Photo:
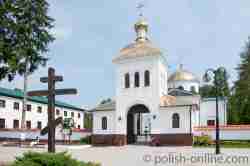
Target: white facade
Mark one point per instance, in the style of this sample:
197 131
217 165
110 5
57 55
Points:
165 121
148 96
169 107
9 114
138 109
208 111
97 122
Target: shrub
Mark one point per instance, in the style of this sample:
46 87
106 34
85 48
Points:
85 140
235 143
155 141
203 140
48 159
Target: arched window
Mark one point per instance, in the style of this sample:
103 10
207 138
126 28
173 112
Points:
137 79
181 87
146 78
176 120
127 80
104 123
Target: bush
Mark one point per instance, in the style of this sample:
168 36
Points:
48 159
86 140
203 140
235 143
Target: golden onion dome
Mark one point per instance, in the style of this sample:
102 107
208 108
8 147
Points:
182 75
138 49
141 47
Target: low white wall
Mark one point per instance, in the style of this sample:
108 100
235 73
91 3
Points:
226 133
76 136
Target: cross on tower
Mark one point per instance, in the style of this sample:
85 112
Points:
51 93
140 7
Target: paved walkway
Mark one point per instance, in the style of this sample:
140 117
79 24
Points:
144 155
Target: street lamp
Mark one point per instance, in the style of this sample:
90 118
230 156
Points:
207 78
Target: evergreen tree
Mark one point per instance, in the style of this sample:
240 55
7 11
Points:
241 99
233 115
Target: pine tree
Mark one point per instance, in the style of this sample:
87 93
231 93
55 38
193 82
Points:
242 86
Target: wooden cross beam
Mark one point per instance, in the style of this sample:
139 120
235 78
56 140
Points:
57 92
51 93
56 78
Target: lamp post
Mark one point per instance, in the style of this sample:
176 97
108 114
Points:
207 78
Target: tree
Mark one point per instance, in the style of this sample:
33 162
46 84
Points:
241 97
88 121
222 83
233 116
24 39
24 36
207 91
223 86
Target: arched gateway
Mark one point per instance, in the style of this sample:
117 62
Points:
134 122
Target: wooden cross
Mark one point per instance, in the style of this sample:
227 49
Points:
51 93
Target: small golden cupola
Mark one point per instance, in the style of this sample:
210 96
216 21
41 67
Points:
141 29
182 75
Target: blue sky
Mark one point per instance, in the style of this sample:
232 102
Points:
199 34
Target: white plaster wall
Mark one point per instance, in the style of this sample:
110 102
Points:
208 112
97 122
148 96
185 84
165 119
195 118
9 114
34 134
163 78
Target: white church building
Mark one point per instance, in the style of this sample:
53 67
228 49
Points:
150 103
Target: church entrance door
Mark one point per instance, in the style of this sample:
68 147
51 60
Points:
134 122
